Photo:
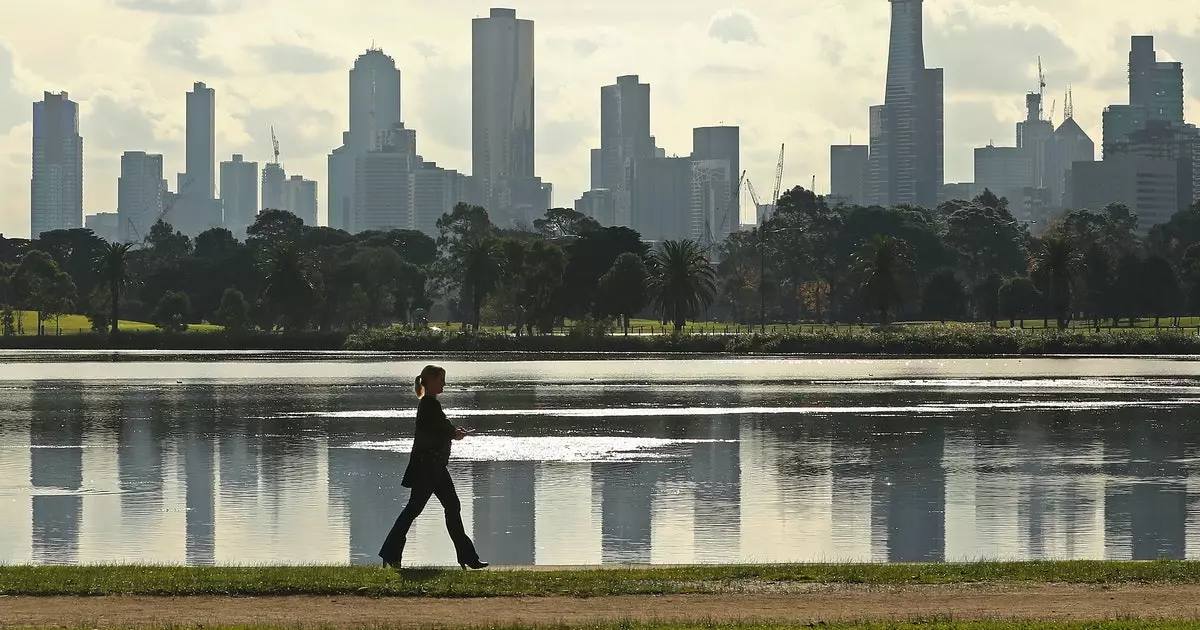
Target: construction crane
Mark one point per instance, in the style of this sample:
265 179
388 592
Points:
275 144
1053 109
758 205
709 240
1041 88
166 209
778 177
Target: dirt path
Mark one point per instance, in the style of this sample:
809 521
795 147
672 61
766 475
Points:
1045 602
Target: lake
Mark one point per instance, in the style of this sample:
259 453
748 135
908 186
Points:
271 458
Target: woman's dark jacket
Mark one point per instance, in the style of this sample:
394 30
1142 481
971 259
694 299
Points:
431 445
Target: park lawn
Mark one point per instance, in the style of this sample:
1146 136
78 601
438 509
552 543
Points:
93 580
75 324
1127 624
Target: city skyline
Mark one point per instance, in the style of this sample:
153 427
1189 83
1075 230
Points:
700 77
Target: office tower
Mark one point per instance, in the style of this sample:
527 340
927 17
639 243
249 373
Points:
56 188
375 91
713 145
1033 137
848 172
597 169
907 139
624 140
1155 86
273 178
300 198
239 194
1149 187
436 190
502 102
105 225
598 204
712 206
384 183
1006 172
201 149
663 198
1069 144
141 194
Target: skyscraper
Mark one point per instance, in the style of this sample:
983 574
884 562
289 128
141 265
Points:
1155 86
710 147
201 158
239 194
624 140
502 101
375 94
908 142
56 188
848 172
141 192
273 178
300 198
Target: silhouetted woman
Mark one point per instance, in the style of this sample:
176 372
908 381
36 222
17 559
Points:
427 475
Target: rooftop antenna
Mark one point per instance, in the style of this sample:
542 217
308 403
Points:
1069 112
275 144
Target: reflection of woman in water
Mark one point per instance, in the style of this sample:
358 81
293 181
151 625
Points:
427 475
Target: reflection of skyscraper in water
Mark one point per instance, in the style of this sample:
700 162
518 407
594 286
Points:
626 495
716 470
504 511
367 485
200 480
850 482
1037 490
56 471
16 541
1159 507
909 492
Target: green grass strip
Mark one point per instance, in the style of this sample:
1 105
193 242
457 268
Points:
932 625
371 581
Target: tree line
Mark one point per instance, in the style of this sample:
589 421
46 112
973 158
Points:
808 262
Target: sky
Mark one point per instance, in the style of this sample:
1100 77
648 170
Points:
800 72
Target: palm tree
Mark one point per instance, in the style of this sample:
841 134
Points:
481 261
1058 263
288 291
112 262
682 281
883 264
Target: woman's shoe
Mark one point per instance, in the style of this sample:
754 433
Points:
391 563
474 564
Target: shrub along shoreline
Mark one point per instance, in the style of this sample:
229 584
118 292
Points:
912 341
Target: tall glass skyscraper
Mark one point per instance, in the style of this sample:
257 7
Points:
56 188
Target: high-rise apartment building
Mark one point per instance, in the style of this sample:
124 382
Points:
300 198
239 194
907 139
848 172
502 117
624 140
375 97
273 179
56 188
663 198
141 194
1006 172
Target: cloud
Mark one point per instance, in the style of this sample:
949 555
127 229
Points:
733 26
302 129
425 49
997 57
446 119
177 43
183 7
115 126
294 59
11 101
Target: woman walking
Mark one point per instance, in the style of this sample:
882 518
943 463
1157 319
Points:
428 476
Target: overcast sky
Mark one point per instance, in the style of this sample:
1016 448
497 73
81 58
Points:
797 71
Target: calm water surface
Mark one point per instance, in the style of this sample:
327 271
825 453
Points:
243 458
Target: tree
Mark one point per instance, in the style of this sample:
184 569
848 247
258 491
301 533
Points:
288 293
682 282
987 239
986 296
98 310
1189 275
273 227
590 256
1058 263
171 314
943 297
378 270
1159 288
167 244
544 266
564 222
7 300
234 313
358 307
38 285
481 266
883 266
1018 299
112 265
623 288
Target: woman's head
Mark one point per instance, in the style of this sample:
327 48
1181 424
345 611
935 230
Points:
431 381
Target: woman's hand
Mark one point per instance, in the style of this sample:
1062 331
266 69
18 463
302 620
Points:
460 433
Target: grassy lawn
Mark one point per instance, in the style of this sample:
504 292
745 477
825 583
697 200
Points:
75 324
873 625
372 581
